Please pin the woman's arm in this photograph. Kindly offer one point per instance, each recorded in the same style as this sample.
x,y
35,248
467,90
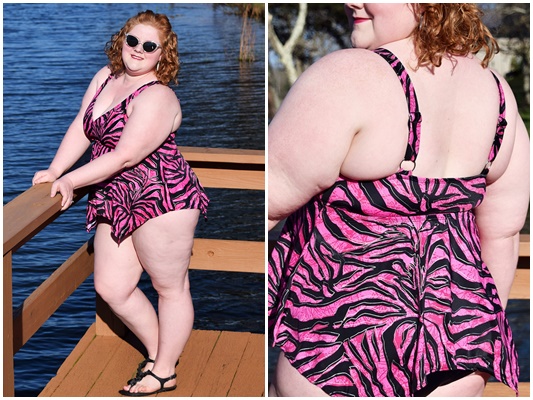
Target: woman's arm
x,y
74,143
311,133
153,116
502,214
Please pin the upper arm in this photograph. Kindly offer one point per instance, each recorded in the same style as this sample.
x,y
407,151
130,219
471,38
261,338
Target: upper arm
x,y
311,133
502,213
154,114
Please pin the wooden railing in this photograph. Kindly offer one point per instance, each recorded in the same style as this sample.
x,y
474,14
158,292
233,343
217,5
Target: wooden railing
x,y
34,209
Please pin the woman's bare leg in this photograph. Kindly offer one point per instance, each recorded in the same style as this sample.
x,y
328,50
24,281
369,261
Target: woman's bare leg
x,y
288,382
164,246
117,271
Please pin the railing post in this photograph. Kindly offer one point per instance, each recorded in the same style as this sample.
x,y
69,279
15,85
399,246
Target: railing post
x,y
107,323
9,373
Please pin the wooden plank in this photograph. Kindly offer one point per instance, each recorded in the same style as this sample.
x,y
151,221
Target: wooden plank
x,y
107,323
521,285
8,350
47,298
524,248
192,362
80,379
30,212
228,255
249,380
100,366
222,365
209,154
498,389
118,371
69,362
231,178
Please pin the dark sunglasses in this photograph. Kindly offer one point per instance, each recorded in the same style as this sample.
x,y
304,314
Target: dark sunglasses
x,y
148,47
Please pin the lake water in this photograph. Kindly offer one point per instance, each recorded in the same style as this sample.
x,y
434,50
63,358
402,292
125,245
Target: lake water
x,y
51,52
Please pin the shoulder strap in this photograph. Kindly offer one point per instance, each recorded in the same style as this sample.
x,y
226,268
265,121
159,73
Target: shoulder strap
x,y
140,89
102,86
500,128
415,118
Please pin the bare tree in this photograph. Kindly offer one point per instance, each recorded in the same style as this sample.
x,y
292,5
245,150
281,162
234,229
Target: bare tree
x,y
285,51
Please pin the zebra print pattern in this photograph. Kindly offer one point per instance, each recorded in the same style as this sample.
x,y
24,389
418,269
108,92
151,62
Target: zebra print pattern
x,y
376,285
162,182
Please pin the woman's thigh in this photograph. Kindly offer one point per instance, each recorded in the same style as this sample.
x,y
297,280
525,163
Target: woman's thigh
x,y
164,246
117,269
288,382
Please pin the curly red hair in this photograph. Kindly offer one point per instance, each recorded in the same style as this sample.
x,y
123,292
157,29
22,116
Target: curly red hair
x,y
451,29
169,64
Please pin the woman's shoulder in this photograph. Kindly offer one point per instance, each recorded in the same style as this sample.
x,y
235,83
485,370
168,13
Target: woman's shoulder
x,y
102,75
350,61
510,100
344,71
159,94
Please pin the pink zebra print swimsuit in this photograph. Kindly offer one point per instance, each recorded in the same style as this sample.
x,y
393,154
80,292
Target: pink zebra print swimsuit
x,y
376,285
162,182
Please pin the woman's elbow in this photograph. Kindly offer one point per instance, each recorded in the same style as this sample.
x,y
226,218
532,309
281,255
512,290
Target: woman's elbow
x,y
127,159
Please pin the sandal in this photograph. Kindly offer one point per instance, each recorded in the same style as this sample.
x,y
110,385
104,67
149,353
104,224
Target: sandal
x,y
136,380
140,368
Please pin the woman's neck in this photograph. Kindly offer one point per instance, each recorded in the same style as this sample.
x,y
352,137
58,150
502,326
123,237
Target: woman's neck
x,y
133,80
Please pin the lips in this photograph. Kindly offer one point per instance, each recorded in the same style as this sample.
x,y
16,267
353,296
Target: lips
x,y
136,57
360,20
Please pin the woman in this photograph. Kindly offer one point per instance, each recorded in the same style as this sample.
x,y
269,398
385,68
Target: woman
x,y
383,281
146,199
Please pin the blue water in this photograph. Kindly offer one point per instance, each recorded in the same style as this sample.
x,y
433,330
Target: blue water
x,y
51,52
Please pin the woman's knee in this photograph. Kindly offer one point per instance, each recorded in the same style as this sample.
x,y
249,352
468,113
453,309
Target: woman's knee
x,y
171,287
114,291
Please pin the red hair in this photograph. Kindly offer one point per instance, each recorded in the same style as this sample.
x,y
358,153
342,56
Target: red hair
x,y
169,64
451,29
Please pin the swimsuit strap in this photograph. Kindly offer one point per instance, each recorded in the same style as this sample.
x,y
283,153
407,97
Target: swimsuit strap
x,y
500,128
140,89
415,118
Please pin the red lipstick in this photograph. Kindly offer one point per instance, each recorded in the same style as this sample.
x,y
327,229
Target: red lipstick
x,y
360,20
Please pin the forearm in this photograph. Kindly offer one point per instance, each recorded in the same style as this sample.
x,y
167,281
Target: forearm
x,y
500,254
98,170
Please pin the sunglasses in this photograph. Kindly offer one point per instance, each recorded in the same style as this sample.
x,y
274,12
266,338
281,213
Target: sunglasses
x,y
148,47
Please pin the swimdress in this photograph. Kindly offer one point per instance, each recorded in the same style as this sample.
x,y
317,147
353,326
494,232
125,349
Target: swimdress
x,y
375,285
160,183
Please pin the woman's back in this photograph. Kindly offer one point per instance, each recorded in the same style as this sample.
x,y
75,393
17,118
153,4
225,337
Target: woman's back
x,y
459,103
401,255
405,189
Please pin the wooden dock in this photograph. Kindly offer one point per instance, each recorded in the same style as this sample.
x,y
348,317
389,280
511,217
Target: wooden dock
x,y
214,363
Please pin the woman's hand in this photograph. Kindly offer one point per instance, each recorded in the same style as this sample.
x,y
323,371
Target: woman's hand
x,y
44,176
66,188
